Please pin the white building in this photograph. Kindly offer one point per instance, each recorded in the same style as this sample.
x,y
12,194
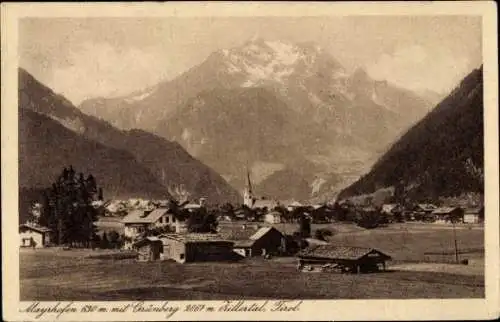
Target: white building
x,y
35,236
138,221
273,217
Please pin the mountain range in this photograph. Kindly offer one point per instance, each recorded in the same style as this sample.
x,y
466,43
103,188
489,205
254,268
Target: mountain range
x,y
53,134
441,156
275,107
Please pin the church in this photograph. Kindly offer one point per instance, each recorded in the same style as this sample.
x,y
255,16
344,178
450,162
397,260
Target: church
x,y
252,202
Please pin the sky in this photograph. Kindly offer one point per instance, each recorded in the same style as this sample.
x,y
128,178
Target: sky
x,y
104,57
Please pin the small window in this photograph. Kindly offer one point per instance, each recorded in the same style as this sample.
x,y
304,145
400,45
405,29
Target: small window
x,y
167,219
173,219
161,220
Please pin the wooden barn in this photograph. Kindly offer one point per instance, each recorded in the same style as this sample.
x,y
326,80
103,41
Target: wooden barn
x,y
148,249
267,240
345,258
196,247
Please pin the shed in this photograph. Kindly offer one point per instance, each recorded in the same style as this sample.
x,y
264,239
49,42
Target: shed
x,y
196,247
33,235
350,259
266,240
473,215
148,248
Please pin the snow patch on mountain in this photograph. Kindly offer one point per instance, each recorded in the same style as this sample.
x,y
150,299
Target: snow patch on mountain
x,y
140,96
283,53
316,185
74,124
186,135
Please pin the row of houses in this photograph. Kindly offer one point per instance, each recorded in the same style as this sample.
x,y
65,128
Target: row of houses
x,y
191,247
430,212
184,248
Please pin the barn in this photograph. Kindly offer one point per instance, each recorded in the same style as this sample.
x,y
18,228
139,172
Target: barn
x,y
267,240
196,247
34,235
148,249
346,258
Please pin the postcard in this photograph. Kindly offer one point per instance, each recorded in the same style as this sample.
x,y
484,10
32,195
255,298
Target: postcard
x,y
250,161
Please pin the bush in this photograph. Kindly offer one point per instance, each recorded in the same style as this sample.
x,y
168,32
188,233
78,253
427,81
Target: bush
x,y
368,220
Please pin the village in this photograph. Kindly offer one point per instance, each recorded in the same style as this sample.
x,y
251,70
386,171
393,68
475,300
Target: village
x,y
166,230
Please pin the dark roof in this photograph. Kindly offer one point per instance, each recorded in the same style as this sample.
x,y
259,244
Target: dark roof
x,y
339,252
40,229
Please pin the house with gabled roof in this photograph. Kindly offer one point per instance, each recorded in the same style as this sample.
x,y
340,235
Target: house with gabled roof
x,y
33,235
194,247
473,215
139,221
347,258
266,240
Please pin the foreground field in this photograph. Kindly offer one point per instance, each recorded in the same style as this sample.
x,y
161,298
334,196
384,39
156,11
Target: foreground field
x,y
72,275
410,242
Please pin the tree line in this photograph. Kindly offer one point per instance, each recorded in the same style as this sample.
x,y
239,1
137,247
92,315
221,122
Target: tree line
x,y
67,208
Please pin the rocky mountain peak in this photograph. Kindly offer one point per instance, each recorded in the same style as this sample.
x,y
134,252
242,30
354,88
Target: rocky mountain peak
x,y
261,61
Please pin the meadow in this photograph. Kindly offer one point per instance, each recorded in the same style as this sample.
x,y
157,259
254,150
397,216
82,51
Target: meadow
x,y
50,274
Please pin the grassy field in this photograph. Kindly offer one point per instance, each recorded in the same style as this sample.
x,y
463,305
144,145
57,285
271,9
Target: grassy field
x,y
50,274
404,242
410,243
74,275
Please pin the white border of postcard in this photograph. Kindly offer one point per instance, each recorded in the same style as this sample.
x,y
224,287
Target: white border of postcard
x,y
460,309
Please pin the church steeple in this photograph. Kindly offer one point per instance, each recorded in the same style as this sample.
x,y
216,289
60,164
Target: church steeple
x,y
248,193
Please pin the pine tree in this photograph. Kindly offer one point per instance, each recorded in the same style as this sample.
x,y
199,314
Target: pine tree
x,y
100,197
67,209
305,227
104,241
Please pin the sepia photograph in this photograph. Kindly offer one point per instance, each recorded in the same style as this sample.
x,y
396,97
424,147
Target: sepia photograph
x,y
244,159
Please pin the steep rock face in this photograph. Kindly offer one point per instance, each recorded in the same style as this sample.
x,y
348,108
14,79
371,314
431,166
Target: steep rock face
x,y
440,156
170,165
324,115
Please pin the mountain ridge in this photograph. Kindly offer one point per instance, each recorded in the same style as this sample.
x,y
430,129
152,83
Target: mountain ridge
x,y
171,165
335,113
442,155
